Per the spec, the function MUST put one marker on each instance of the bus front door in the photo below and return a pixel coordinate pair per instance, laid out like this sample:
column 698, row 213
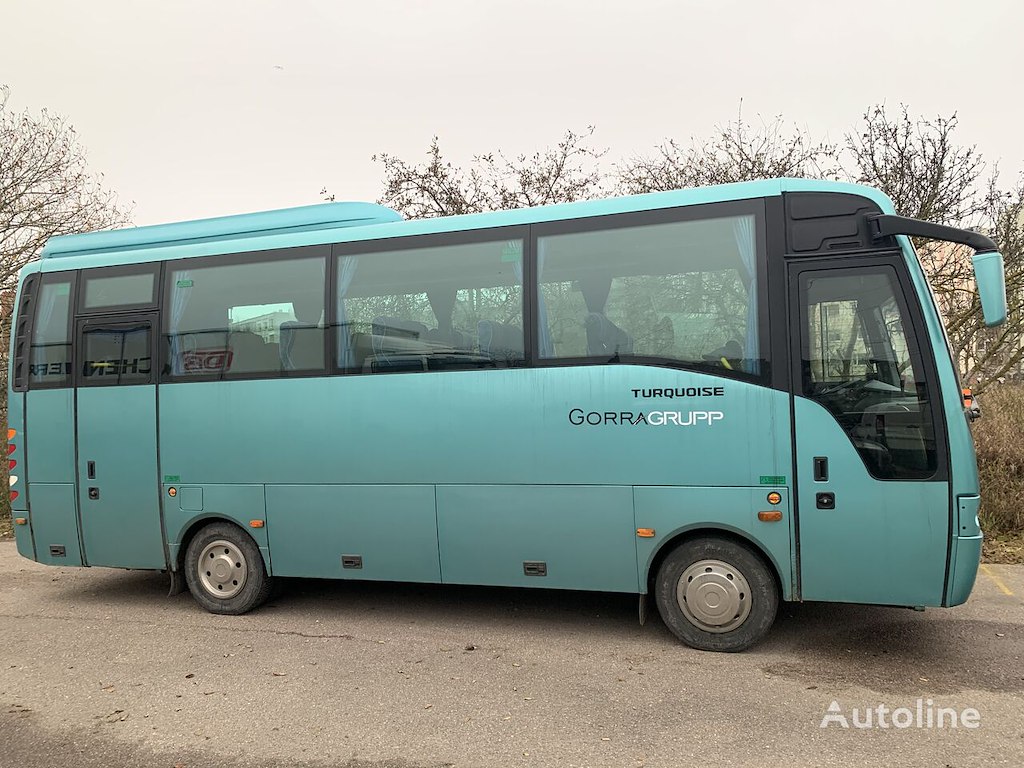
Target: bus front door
column 118, row 491
column 873, row 490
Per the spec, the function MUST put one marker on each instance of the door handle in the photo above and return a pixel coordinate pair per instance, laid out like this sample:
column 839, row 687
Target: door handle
column 825, row 500
column 94, row 494
column 820, row 469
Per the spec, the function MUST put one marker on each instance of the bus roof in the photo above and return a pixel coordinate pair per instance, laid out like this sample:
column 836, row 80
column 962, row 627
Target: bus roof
column 354, row 221
column 305, row 218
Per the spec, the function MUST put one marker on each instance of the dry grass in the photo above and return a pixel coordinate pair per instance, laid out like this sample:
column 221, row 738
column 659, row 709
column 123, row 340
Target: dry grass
column 1004, row 548
column 999, row 437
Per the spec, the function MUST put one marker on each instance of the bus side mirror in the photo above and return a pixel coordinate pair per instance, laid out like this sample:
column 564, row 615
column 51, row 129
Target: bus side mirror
column 988, row 276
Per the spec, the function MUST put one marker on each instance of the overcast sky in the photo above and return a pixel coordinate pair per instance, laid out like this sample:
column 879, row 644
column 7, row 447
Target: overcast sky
column 203, row 108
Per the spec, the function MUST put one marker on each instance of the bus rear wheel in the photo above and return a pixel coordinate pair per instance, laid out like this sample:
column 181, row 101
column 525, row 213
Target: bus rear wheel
column 224, row 570
column 716, row 595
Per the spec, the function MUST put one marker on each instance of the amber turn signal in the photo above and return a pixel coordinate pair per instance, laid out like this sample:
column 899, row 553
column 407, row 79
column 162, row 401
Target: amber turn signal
column 774, row 497
column 770, row 516
column 20, row 521
column 645, row 533
column 967, row 393
column 172, row 491
column 256, row 523
column 11, row 433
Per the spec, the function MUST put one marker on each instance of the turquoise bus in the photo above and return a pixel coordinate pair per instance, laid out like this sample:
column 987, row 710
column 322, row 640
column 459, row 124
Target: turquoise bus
column 724, row 397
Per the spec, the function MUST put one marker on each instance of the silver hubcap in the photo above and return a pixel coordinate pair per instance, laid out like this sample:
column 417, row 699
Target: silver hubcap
column 222, row 569
column 714, row 596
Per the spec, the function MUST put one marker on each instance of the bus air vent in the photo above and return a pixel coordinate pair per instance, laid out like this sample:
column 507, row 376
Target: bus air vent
column 535, row 568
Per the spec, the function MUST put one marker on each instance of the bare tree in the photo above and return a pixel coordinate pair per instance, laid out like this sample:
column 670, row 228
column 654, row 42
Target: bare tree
column 563, row 173
column 737, row 151
column 919, row 165
column 928, row 175
column 989, row 355
column 45, row 190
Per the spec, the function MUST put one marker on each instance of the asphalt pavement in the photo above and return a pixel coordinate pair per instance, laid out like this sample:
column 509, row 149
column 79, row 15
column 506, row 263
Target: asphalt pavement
column 100, row 668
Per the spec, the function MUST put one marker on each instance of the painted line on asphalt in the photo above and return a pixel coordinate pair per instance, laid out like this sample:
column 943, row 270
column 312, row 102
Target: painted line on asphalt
column 996, row 580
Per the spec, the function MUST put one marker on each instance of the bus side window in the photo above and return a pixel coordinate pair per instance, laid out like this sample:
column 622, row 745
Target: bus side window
column 683, row 291
column 262, row 315
column 431, row 308
column 117, row 354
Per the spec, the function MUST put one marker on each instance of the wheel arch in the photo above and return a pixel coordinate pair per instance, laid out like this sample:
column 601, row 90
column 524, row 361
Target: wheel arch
column 687, row 533
column 191, row 527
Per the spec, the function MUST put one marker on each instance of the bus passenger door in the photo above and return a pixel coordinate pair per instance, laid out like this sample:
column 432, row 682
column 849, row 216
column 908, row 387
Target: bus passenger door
column 871, row 465
column 118, row 490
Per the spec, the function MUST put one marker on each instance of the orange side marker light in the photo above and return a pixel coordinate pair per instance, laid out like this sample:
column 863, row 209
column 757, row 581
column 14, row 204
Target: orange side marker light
column 645, row 533
column 11, row 433
column 774, row 497
column 20, row 521
column 172, row 491
column 256, row 523
column 770, row 516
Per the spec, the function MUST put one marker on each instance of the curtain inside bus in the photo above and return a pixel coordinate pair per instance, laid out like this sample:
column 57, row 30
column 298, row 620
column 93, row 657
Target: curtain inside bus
column 181, row 284
column 346, row 271
column 743, row 230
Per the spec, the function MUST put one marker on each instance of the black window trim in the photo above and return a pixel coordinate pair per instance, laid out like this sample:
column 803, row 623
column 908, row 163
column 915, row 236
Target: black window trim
column 22, row 325
column 893, row 260
column 119, row 270
column 48, row 278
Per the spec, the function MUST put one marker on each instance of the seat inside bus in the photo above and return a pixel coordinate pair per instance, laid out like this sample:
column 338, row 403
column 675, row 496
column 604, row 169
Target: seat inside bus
column 396, row 343
column 605, row 338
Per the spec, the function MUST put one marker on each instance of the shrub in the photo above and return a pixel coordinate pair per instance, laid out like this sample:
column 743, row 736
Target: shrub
column 999, row 437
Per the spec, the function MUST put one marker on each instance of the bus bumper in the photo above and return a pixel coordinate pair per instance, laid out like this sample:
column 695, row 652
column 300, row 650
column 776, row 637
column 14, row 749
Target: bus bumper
column 965, row 568
column 966, row 552
column 23, row 535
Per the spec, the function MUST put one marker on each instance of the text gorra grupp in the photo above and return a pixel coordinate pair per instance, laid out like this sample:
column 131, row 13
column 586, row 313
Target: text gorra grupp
column 581, row 417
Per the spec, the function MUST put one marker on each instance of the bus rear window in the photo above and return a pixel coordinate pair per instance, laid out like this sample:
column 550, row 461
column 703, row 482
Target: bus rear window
column 50, row 349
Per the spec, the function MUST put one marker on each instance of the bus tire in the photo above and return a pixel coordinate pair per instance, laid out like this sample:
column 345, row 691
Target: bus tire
column 715, row 594
column 224, row 570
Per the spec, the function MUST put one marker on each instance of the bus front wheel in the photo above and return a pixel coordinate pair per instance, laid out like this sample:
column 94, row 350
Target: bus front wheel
column 225, row 571
column 716, row 595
